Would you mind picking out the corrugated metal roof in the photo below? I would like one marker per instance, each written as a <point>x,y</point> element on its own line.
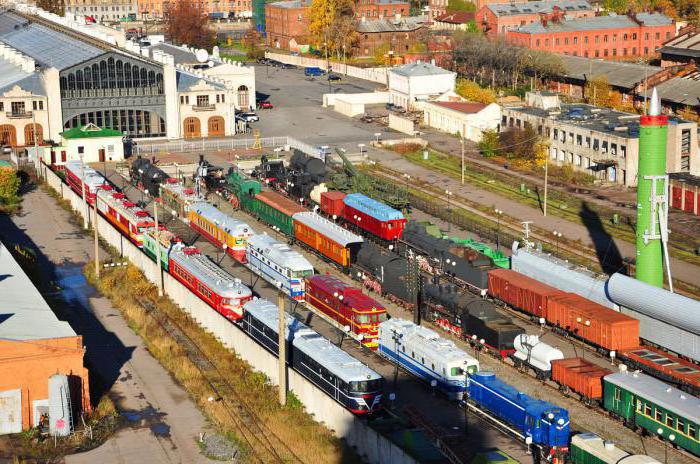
<point>404,24</point>
<point>372,207</point>
<point>528,8</point>
<point>657,392</point>
<point>680,90</point>
<point>24,314</point>
<point>47,46</point>
<point>654,302</point>
<point>419,69</point>
<point>619,74</point>
<point>595,23</point>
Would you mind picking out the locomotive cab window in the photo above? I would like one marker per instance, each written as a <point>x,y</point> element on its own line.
<point>456,371</point>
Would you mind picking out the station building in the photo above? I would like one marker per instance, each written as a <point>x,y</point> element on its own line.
<point>34,346</point>
<point>57,74</point>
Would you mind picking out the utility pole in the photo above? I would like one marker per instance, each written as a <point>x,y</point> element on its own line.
<point>546,173</point>
<point>97,242</point>
<point>157,237</point>
<point>282,348</point>
<point>36,144</point>
<point>461,141</point>
<point>82,189</point>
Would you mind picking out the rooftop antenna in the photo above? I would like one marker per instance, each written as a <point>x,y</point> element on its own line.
<point>526,235</point>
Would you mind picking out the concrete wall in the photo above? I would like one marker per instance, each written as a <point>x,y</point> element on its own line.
<point>369,74</point>
<point>349,108</point>
<point>401,124</point>
<point>374,447</point>
<point>369,98</point>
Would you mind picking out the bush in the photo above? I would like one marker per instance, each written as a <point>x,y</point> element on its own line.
<point>489,144</point>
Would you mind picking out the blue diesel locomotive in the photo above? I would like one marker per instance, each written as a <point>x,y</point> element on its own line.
<point>546,424</point>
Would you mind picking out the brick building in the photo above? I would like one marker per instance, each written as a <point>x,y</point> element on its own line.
<point>437,8</point>
<point>457,21</point>
<point>683,49</point>
<point>480,3</point>
<point>100,10</point>
<point>399,33</point>
<point>376,9</point>
<point>34,345</point>
<point>286,22</point>
<point>607,37</point>
<point>157,9</point>
<point>498,18</point>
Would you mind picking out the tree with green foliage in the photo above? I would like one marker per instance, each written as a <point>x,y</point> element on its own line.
<point>9,187</point>
<point>331,24</point>
<point>474,92</point>
<point>488,146</point>
<point>460,5</point>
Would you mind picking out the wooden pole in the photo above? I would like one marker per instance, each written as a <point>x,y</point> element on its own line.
<point>97,242</point>
<point>546,172</point>
<point>282,348</point>
<point>461,140</point>
<point>86,212</point>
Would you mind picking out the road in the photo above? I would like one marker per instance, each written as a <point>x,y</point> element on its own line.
<point>161,421</point>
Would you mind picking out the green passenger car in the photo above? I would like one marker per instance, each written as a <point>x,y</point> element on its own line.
<point>163,239</point>
<point>650,404</point>
<point>276,210</point>
<point>589,448</point>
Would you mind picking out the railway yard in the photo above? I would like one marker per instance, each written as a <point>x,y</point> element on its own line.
<point>446,417</point>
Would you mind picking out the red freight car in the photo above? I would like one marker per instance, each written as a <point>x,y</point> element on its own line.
<point>347,306</point>
<point>332,204</point>
<point>520,292</point>
<point>666,366</point>
<point>594,323</point>
<point>580,376</point>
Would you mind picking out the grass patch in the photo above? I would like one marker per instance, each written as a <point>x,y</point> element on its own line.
<point>307,439</point>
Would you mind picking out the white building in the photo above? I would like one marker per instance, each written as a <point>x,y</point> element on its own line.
<point>418,82</point>
<point>468,119</point>
<point>102,10</point>
<point>58,74</point>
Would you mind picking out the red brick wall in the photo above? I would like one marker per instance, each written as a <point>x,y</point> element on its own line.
<point>28,365</point>
<point>606,43</point>
<point>372,9</point>
<point>494,25</point>
<point>285,24</point>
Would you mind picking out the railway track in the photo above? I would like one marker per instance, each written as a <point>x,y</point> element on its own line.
<point>265,447</point>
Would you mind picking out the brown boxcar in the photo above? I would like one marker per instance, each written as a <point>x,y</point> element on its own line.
<point>332,203</point>
<point>520,291</point>
<point>594,323</point>
<point>581,376</point>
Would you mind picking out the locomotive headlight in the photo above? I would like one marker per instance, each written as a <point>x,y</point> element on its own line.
<point>550,416</point>
<point>473,337</point>
<point>560,421</point>
<point>359,274</point>
<point>340,297</point>
<point>335,217</point>
<point>335,294</point>
<point>454,263</point>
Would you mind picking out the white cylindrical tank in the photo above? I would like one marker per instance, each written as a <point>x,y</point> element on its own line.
<point>530,350</point>
<point>316,192</point>
<point>60,414</point>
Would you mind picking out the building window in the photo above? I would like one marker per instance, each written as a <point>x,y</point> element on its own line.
<point>578,160</point>
<point>623,151</point>
<point>17,107</point>
<point>624,37</point>
<point>537,42</point>
<point>588,142</point>
<point>575,40</point>
<point>202,100</point>
<point>585,40</point>
<point>2,106</point>
<point>614,52</point>
<point>81,150</point>
<point>646,36</point>
<point>566,41</point>
<point>579,140</point>
<point>556,41</point>
<point>605,38</point>
<point>597,53</point>
<point>597,39</point>
<point>634,36</point>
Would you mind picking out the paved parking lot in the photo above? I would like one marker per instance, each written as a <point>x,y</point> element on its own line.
<point>298,110</point>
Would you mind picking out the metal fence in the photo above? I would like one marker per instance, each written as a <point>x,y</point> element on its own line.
<point>208,145</point>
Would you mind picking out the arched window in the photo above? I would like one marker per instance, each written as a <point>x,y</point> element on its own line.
<point>104,79</point>
<point>29,134</point>
<point>71,81</point>
<point>243,98</point>
<point>143,78</point>
<point>127,75</point>
<point>151,78</point>
<point>87,73</point>
<point>79,80</point>
<point>159,82</point>
<point>111,73</point>
<point>120,74</point>
<point>96,76</point>
<point>64,83</point>
<point>135,74</point>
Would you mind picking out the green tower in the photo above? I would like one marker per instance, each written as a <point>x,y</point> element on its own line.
<point>652,195</point>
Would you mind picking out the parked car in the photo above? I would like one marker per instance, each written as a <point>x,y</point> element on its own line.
<point>313,71</point>
<point>334,77</point>
<point>288,66</point>
<point>265,105</point>
<point>248,117</point>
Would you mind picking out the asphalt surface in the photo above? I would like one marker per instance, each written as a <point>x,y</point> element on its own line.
<point>161,421</point>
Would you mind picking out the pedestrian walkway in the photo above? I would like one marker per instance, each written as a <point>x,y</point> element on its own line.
<point>681,270</point>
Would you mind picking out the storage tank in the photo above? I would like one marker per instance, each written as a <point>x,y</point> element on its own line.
<point>60,414</point>
<point>560,274</point>
<point>536,354</point>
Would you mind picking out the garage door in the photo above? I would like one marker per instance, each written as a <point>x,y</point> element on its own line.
<point>10,412</point>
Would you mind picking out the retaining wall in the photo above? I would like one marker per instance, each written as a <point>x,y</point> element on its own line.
<point>374,447</point>
<point>369,74</point>
<point>401,124</point>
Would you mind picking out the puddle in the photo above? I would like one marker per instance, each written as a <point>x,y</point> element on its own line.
<point>73,286</point>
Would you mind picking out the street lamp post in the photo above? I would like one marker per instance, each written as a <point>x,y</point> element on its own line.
<point>449,211</point>
<point>396,337</point>
<point>499,213</point>
<point>461,142</point>
<point>557,236</point>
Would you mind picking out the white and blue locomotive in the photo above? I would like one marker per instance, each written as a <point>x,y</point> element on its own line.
<point>345,379</point>
<point>425,354</point>
<point>277,263</point>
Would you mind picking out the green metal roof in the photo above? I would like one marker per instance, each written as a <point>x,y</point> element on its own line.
<point>6,164</point>
<point>90,131</point>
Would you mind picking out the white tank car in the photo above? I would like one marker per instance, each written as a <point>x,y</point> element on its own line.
<point>426,355</point>
<point>316,192</point>
<point>530,351</point>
